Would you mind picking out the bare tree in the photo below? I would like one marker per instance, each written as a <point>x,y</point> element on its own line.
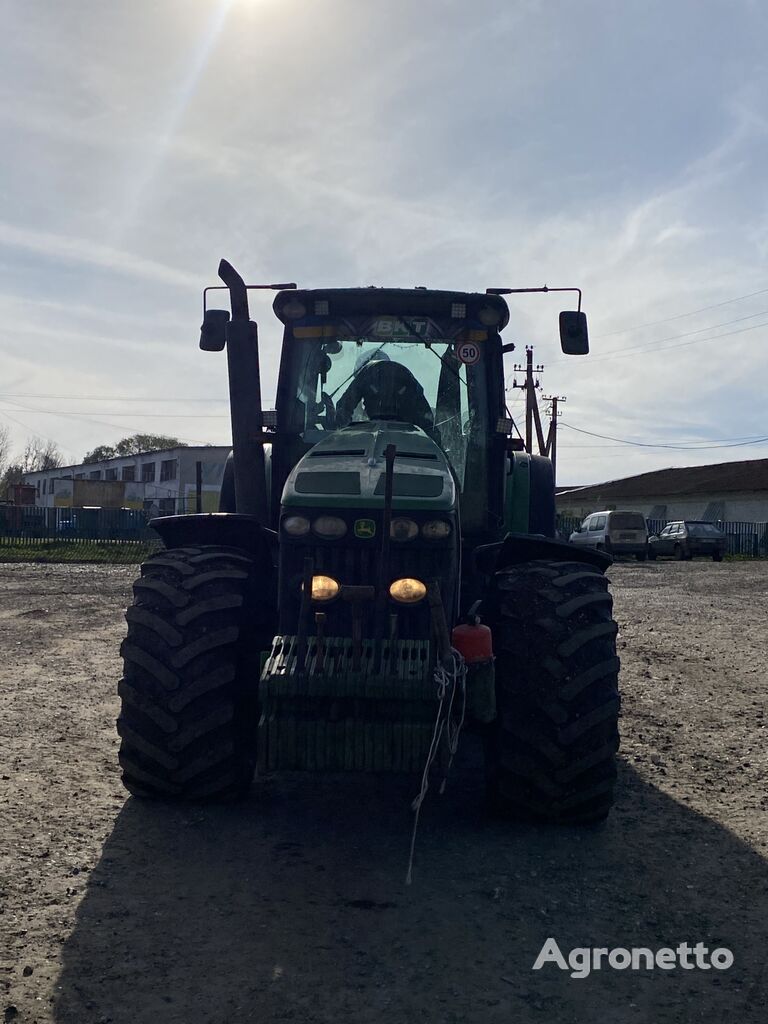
<point>5,449</point>
<point>40,454</point>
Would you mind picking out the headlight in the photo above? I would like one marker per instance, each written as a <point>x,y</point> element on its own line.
<point>407,591</point>
<point>436,529</point>
<point>489,316</point>
<point>329,526</point>
<point>403,529</point>
<point>293,309</point>
<point>324,588</point>
<point>296,526</point>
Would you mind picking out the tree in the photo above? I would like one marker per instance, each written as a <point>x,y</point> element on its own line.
<point>38,454</point>
<point>100,453</point>
<point>5,449</point>
<point>136,444</point>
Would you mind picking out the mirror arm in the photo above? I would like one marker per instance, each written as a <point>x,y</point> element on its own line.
<point>522,291</point>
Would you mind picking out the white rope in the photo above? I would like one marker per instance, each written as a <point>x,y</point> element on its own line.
<point>454,677</point>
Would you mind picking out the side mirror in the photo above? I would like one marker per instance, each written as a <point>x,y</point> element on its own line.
<point>213,333</point>
<point>574,339</point>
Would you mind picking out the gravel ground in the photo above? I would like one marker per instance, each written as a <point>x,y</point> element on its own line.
<point>292,907</point>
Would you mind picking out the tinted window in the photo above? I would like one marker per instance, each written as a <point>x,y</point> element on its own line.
<point>599,523</point>
<point>704,530</point>
<point>627,521</point>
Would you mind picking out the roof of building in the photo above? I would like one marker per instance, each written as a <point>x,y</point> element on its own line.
<point>140,455</point>
<point>720,478</point>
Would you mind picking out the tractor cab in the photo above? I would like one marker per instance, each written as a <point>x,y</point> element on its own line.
<point>368,359</point>
<point>364,372</point>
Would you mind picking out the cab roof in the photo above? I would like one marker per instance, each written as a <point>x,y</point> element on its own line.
<point>390,301</point>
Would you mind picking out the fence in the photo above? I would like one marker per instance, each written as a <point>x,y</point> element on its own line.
<point>20,522</point>
<point>27,526</point>
<point>749,540</point>
<point>28,533</point>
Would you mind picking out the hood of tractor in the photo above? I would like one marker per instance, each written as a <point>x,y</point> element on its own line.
<point>347,470</point>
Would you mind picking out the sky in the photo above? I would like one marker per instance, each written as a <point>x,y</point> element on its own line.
<point>620,148</point>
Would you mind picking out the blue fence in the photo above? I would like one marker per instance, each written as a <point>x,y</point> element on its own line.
<point>28,522</point>
<point>750,540</point>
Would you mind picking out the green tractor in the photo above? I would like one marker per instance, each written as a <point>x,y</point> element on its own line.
<point>383,569</point>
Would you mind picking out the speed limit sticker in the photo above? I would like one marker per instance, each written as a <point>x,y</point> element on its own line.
<point>468,352</point>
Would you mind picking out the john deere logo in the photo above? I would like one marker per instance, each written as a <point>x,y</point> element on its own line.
<point>365,529</point>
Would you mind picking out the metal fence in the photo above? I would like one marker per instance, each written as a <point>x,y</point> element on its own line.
<point>749,540</point>
<point>19,523</point>
<point>28,524</point>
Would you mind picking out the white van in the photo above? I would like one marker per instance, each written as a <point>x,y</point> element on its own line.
<point>617,532</point>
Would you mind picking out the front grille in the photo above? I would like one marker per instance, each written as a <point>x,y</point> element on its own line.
<point>357,563</point>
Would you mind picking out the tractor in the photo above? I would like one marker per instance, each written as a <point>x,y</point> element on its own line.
<point>383,569</point>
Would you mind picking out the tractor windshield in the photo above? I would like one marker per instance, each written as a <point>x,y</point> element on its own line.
<point>398,376</point>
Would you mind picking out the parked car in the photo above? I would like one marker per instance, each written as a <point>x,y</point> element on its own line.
<point>618,532</point>
<point>687,539</point>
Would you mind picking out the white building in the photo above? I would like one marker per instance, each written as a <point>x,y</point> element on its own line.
<point>726,491</point>
<point>162,482</point>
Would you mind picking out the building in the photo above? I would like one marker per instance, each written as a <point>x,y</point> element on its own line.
<point>161,482</point>
<point>726,491</point>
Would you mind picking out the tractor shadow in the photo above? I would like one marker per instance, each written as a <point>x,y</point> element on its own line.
<point>293,906</point>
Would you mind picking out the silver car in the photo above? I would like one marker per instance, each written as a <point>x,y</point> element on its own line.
<point>617,532</point>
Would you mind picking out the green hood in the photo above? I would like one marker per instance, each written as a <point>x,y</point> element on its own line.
<point>347,470</point>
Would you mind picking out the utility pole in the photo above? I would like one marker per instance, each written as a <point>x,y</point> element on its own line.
<point>551,445</point>
<point>532,416</point>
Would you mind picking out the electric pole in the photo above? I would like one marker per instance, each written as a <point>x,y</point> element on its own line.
<point>551,445</point>
<point>532,416</point>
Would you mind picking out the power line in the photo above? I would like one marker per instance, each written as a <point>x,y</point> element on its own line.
<point>678,447</point>
<point>89,419</point>
<point>659,346</point>
<point>697,440</point>
<point>682,316</point>
<point>113,398</point>
<point>152,415</point>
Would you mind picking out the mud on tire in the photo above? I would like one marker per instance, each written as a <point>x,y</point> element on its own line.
<point>200,618</point>
<point>551,753</point>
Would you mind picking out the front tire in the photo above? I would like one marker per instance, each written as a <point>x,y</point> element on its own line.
<point>550,755</point>
<point>201,617</point>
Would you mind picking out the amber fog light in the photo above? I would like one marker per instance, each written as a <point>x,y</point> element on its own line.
<point>407,591</point>
<point>324,588</point>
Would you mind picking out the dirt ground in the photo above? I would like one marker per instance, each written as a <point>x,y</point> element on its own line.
<point>292,906</point>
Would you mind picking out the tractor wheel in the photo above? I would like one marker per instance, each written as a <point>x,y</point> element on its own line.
<point>201,617</point>
<point>550,755</point>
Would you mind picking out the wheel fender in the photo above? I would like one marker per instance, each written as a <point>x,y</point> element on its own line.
<point>228,529</point>
<point>520,547</point>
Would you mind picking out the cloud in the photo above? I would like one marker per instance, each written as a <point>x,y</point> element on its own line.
<point>68,249</point>
<point>451,145</point>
